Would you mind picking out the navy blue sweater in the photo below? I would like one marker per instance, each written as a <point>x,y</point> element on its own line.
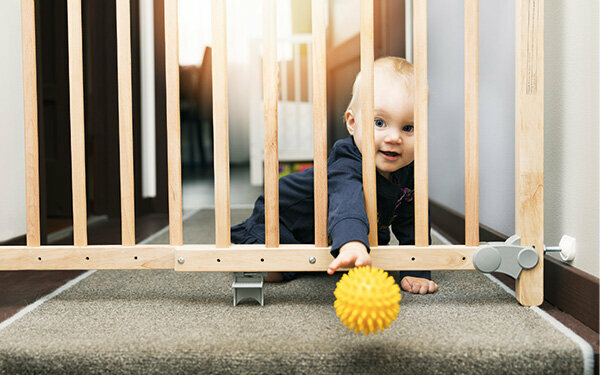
<point>347,218</point>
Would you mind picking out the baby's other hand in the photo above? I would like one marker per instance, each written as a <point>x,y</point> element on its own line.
<point>351,254</point>
<point>418,285</point>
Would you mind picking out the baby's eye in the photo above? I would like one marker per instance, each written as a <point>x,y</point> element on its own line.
<point>408,128</point>
<point>379,123</point>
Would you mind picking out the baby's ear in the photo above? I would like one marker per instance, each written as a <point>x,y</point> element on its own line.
<point>350,121</point>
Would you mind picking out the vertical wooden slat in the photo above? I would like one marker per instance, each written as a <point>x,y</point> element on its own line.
<point>173,128</point>
<point>32,174</point>
<point>472,122</point>
<point>367,56</point>
<point>319,79</point>
<point>529,124</point>
<point>221,124</point>
<point>77,122</point>
<point>421,102</point>
<point>125,122</point>
<point>270,120</point>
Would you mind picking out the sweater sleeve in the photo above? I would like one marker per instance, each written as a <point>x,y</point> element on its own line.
<point>403,227</point>
<point>347,219</point>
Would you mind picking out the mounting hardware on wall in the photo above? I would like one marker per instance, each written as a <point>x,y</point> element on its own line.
<point>567,248</point>
<point>511,258</point>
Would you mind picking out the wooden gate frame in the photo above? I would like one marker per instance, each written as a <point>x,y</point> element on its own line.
<point>223,256</point>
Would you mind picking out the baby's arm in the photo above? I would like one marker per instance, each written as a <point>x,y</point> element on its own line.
<point>351,254</point>
<point>347,219</point>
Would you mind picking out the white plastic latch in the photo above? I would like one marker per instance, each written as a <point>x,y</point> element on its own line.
<point>567,248</point>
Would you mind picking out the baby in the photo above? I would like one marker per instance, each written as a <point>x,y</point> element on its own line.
<point>347,220</point>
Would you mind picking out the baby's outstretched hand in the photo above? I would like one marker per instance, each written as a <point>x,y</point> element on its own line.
<point>418,285</point>
<point>351,254</point>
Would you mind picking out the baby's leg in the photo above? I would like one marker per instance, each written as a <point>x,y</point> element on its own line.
<point>274,277</point>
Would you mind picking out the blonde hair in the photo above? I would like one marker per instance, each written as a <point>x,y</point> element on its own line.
<point>402,69</point>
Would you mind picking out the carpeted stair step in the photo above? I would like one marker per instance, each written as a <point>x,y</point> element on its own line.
<point>147,322</point>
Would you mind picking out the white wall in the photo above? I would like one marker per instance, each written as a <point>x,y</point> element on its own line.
<point>571,124</point>
<point>12,141</point>
<point>571,203</point>
<point>496,109</point>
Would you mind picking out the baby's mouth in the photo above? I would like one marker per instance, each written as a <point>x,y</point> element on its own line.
<point>390,155</point>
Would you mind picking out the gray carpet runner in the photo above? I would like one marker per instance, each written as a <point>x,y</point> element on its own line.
<point>161,322</point>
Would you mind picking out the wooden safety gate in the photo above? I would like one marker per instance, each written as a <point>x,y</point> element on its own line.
<point>223,256</point>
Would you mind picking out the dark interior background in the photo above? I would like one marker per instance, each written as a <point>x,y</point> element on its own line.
<point>101,106</point>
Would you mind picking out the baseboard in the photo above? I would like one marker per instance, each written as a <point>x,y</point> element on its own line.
<point>52,237</point>
<point>566,287</point>
<point>451,224</point>
<point>15,241</point>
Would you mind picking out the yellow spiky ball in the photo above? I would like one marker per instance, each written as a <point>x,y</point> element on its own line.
<point>367,300</point>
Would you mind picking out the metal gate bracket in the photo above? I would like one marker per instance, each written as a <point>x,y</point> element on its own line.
<point>248,285</point>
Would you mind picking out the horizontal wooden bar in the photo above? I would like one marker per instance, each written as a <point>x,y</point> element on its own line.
<point>104,257</point>
<point>235,258</point>
<point>297,258</point>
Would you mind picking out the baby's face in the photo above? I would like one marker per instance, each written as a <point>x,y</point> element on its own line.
<point>393,122</point>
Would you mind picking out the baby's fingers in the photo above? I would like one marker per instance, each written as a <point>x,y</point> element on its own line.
<point>418,285</point>
<point>338,262</point>
<point>333,266</point>
<point>428,287</point>
<point>362,260</point>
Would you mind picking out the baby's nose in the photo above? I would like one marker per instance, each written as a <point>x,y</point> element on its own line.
<point>393,136</point>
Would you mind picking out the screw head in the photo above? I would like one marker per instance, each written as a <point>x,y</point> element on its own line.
<point>181,260</point>
<point>312,260</point>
